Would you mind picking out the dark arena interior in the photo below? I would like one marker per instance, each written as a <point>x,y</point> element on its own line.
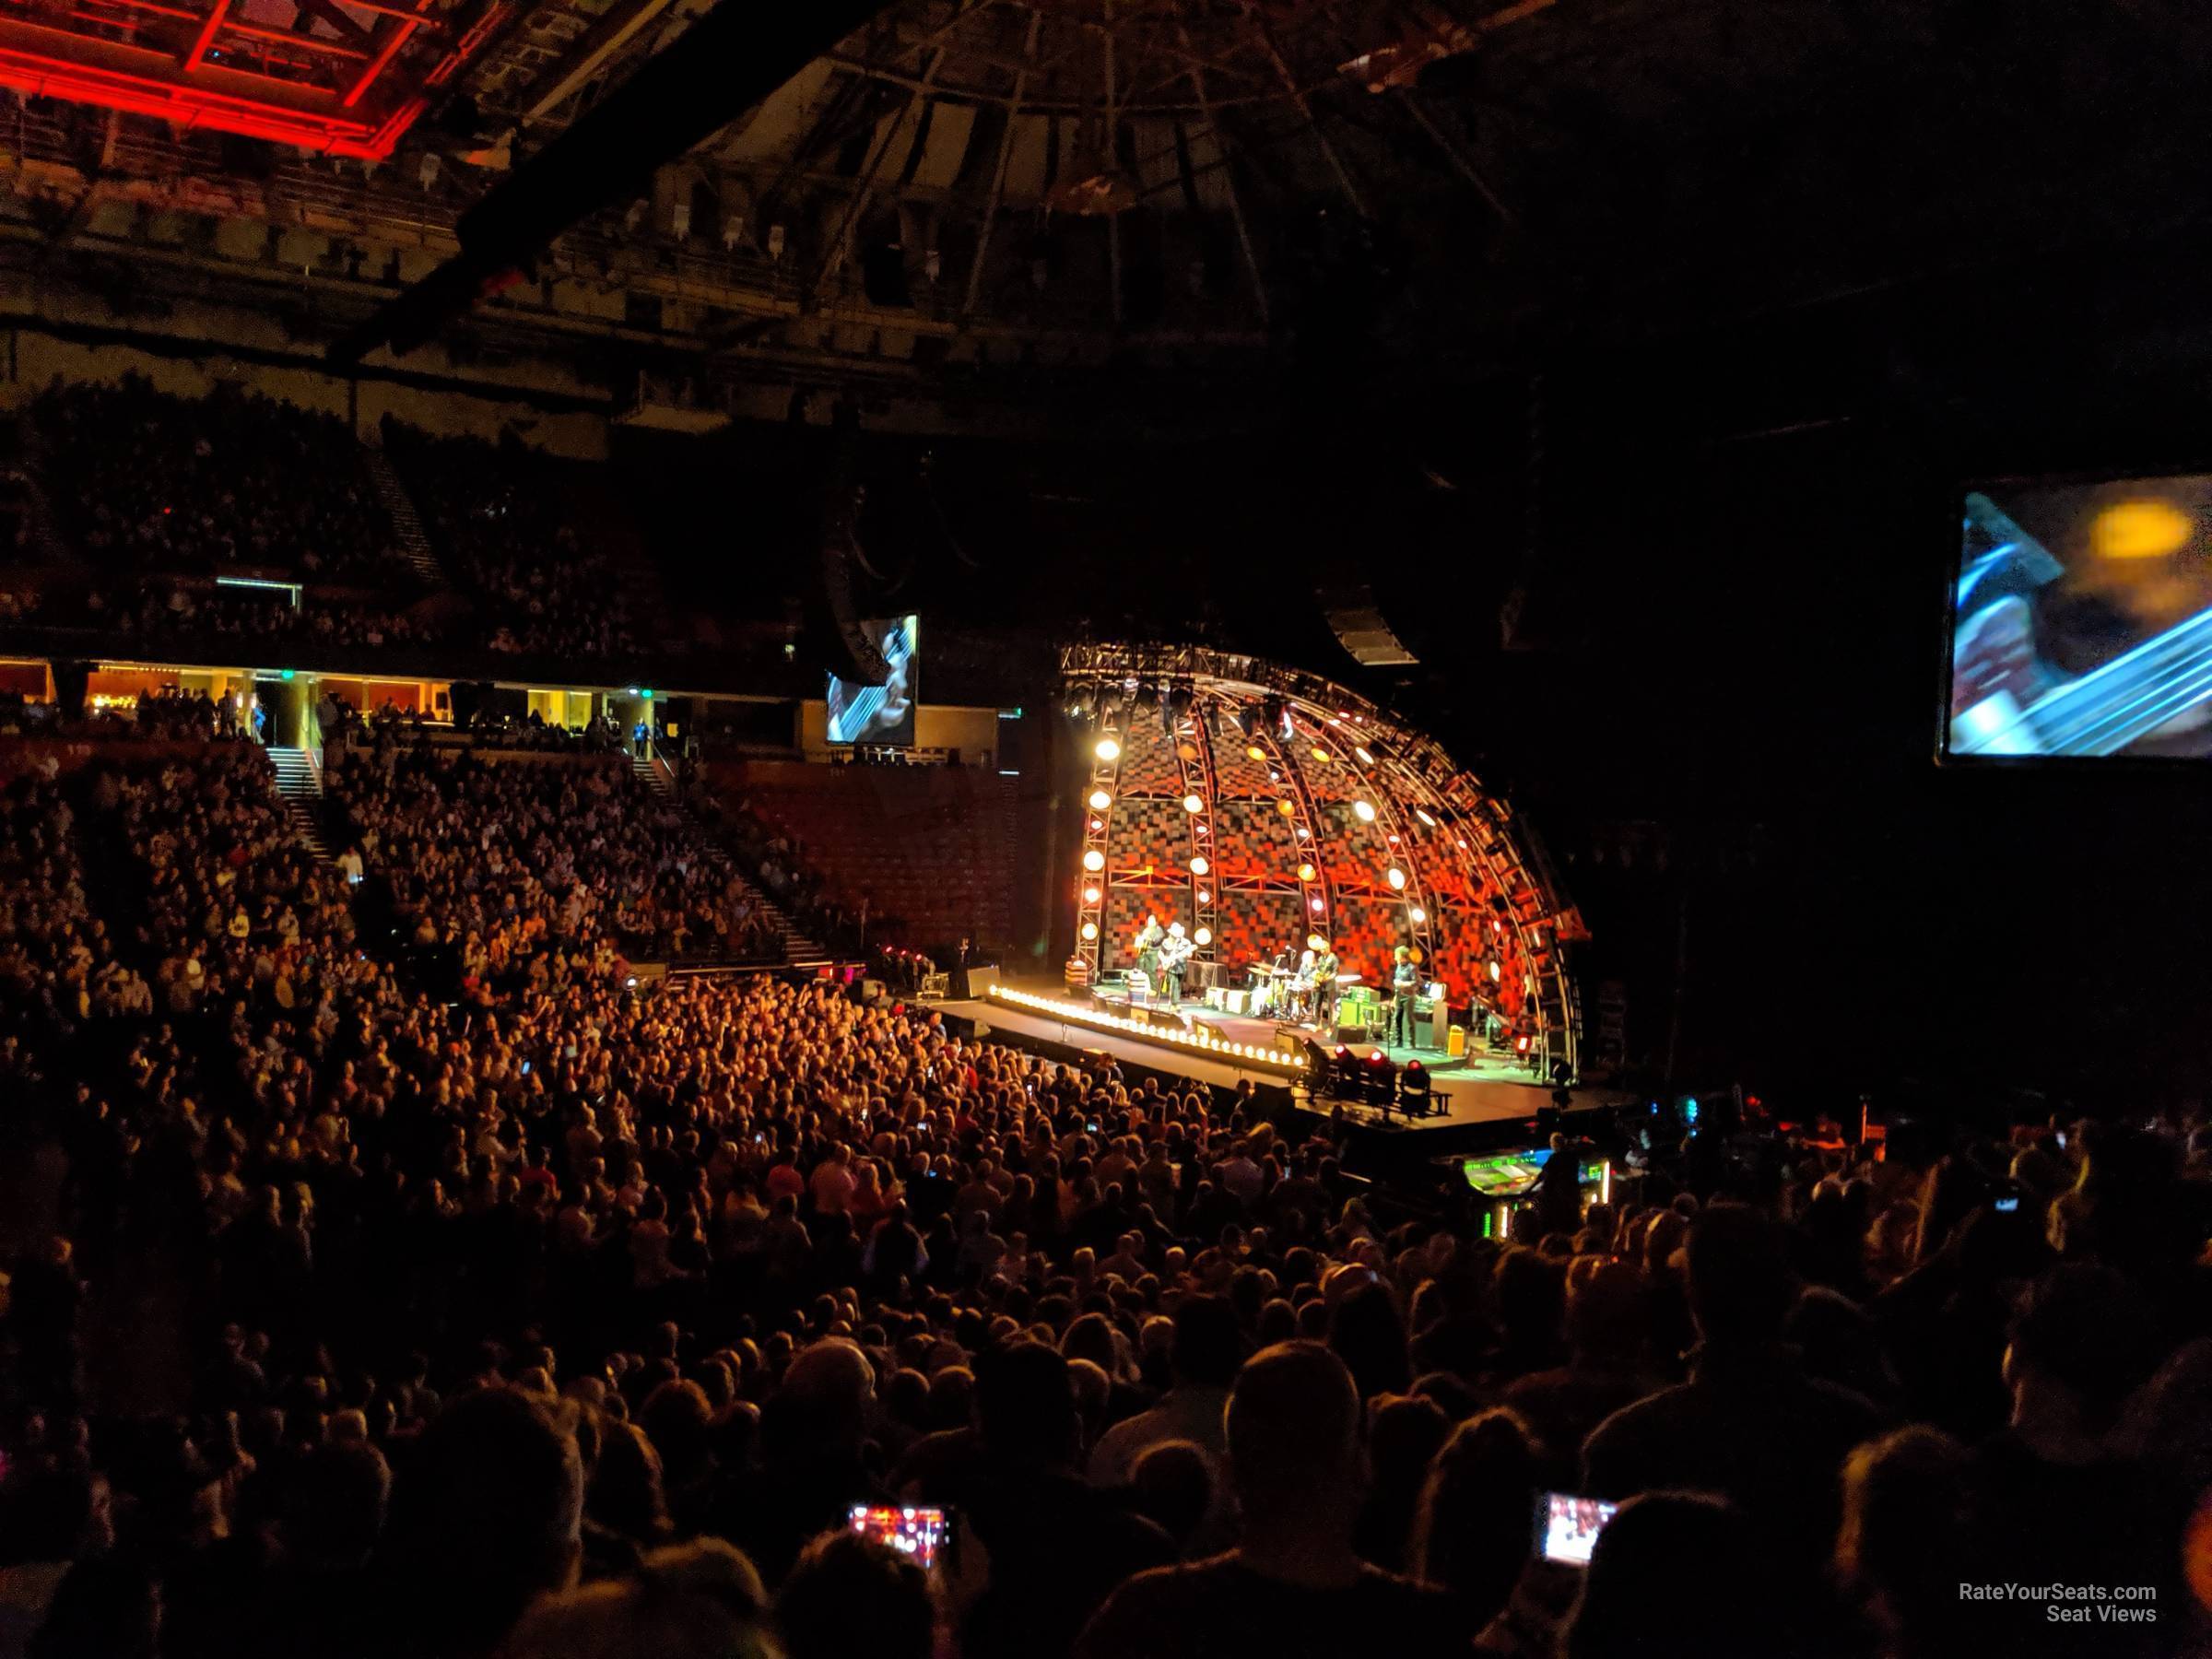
<point>1105,829</point>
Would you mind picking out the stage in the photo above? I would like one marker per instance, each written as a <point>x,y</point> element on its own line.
<point>1475,1092</point>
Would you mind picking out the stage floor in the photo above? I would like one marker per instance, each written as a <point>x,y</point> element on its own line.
<point>1476,1090</point>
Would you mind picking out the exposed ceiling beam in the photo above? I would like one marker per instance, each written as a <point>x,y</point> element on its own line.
<point>614,30</point>
<point>724,64</point>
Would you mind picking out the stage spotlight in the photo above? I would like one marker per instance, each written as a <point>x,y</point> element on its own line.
<point>1496,971</point>
<point>1305,872</point>
<point>1424,818</point>
<point>1190,803</point>
<point>1302,833</point>
<point>1255,752</point>
<point>1314,904</point>
<point>1204,935</point>
<point>1363,755</point>
<point>1198,866</point>
<point>1395,876</point>
<point>1364,811</point>
<point>1378,1079</point>
<point>1094,860</point>
<point>1108,750</point>
<point>1287,807</point>
<point>1090,895</point>
<point>1099,800</point>
<point>1320,755</point>
<point>1205,897</point>
<point>1091,930</point>
<point>1417,914</point>
<point>1413,1089</point>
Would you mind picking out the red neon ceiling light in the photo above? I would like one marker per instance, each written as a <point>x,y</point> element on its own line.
<point>179,82</point>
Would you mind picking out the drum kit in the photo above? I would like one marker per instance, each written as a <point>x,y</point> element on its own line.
<point>1287,993</point>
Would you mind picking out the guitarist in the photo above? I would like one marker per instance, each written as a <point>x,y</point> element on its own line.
<point>1325,969</point>
<point>1174,951</point>
<point>1147,950</point>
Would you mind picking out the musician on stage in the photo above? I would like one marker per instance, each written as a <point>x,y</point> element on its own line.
<point>1301,987</point>
<point>1404,985</point>
<point>1147,950</point>
<point>1174,951</point>
<point>1325,968</point>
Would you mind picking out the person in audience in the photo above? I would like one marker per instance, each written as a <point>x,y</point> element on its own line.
<point>1294,1585</point>
<point>1749,1424</point>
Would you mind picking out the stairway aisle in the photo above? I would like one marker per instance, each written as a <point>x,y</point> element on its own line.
<point>299,782</point>
<point>799,951</point>
<point>407,523</point>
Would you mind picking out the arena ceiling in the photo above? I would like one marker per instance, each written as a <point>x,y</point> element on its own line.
<point>962,190</point>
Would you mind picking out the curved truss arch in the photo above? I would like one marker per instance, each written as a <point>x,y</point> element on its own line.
<point>1475,894</point>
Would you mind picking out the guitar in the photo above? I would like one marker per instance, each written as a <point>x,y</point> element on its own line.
<point>1174,953</point>
<point>2003,703</point>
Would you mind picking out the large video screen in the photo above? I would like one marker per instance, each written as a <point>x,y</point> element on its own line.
<point>2081,621</point>
<point>882,714</point>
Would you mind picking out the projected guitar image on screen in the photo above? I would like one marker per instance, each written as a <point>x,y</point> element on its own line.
<point>2082,622</point>
<point>885,714</point>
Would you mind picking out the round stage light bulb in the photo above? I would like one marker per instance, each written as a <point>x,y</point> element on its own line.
<point>1090,895</point>
<point>1364,811</point>
<point>1305,872</point>
<point>1418,914</point>
<point>1303,832</point>
<point>1198,866</point>
<point>1320,753</point>
<point>1099,800</point>
<point>1287,807</point>
<point>1496,972</point>
<point>1395,876</point>
<point>1363,755</point>
<point>1252,751</point>
<point>1316,905</point>
<point>1425,818</point>
<point>1205,898</point>
<point>1108,750</point>
<point>1094,860</point>
<point>1204,935</point>
<point>1190,803</point>
<point>1091,930</point>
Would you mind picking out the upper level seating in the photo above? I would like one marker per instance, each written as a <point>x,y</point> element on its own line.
<point>930,848</point>
<point>504,521</point>
<point>146,481</point>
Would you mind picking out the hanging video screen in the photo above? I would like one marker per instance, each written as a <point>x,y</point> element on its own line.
<point>2081,621</point>
<point>885,714</point>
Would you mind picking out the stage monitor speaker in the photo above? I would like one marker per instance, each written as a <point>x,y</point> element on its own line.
<point>981,979</point>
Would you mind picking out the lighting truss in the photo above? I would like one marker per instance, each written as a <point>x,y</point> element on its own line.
<point>1518,905</point>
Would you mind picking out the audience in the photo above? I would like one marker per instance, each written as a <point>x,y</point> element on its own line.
<point>146,481</point>
<point>405,1279</point>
